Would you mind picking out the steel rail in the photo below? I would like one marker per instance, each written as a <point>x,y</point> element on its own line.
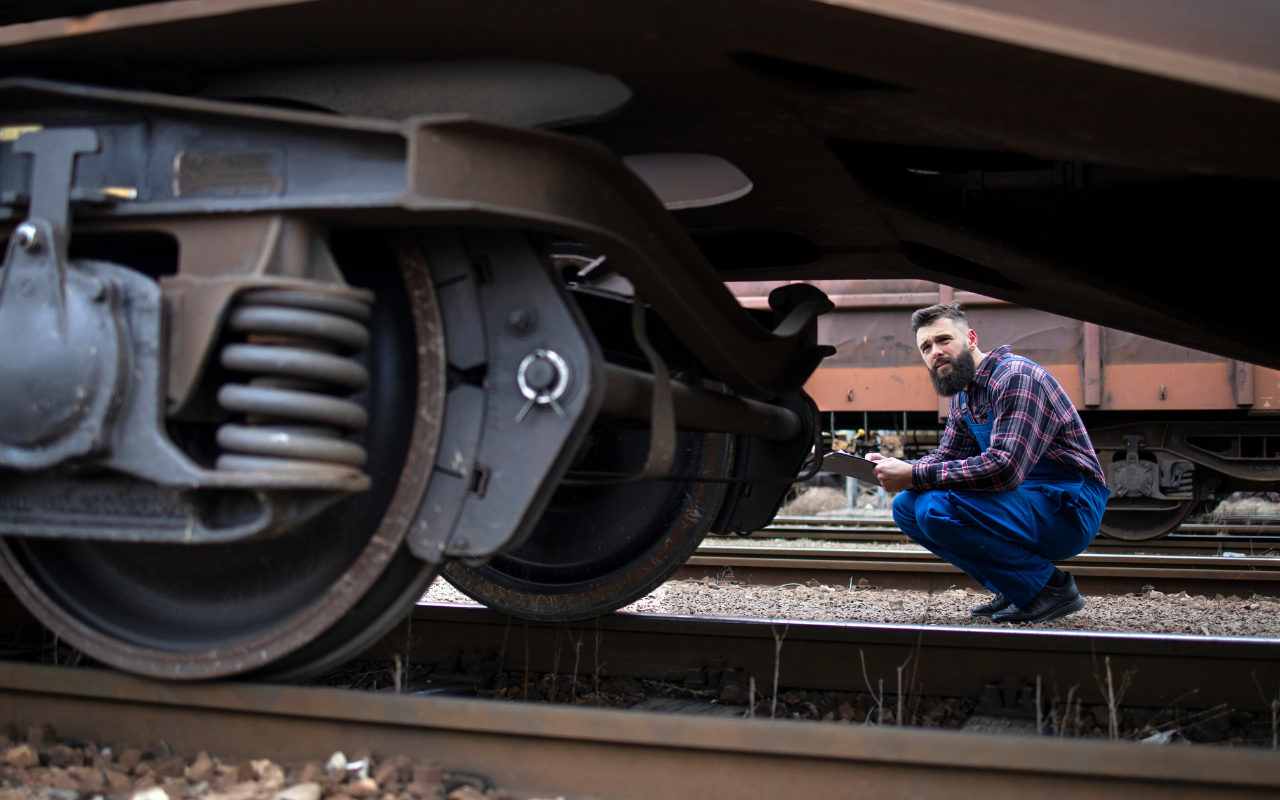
<point>1262,525</point>
<point>1095,573</point>
<point>1191,671</point>
<point>576,751</point>
<point>1176,543</point>
<point>1203,538</point>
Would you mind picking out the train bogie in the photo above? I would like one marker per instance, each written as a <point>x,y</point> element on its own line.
<point>349,373</point>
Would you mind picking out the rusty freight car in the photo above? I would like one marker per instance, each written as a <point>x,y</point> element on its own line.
<point>305,303</point>
<point>1174,427</point>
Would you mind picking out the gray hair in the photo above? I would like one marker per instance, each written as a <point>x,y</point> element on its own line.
<point>925,317</point>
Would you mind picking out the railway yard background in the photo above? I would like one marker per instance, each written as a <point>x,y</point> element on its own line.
<point>397,399</point>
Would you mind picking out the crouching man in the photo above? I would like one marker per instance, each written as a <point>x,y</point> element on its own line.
<point>1014,484</point>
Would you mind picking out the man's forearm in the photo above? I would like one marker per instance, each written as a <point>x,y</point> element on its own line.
<point>987,472</point>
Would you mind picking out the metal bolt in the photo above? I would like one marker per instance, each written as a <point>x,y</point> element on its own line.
<point>27,237</point>
<point>543,377</point>
<point>540,374</point>
<point>520,320</point>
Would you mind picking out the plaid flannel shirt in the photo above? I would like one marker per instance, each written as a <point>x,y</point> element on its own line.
<point>1034,419</point>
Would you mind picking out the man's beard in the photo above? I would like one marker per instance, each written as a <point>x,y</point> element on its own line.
<point>955,381</point>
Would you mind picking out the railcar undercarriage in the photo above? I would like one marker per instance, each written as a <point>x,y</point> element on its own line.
<point>295,322</point>
<point>257,457</point>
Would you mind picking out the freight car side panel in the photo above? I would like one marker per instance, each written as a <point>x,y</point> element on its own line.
<point>876,366</point>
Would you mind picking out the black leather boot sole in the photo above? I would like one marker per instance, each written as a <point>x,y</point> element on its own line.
<point>1050,604</point>
<point>997,603</point>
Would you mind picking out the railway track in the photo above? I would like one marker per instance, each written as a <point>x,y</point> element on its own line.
<point>542,750</point>
<point>1095,573</point>
<point>1238,525</point>
<point>1185,544</point>
<point>1189,539</point>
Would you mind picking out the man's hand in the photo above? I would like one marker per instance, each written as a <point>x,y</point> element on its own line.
<point>894,475</point>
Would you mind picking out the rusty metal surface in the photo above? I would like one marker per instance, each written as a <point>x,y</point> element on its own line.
<point>616,754</point>
<point>827,655</point>
<point>141,14</point>
<point>1166,42</point>
<point>1095,573</point>
<point>1224,50</point>
<point>1156,387</point>
<point>876,367</point>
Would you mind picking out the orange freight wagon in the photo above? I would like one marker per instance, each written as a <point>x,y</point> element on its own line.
<point>1174,427</point>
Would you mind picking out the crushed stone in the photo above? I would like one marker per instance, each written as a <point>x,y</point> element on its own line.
<point>1151,613</point>
<point>44,767</point>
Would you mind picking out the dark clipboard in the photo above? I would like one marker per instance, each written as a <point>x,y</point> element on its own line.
<point>851,466</point>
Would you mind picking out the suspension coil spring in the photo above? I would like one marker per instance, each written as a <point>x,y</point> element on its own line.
<point>299,347</point>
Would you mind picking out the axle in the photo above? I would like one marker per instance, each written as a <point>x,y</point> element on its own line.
<point>629,395</point>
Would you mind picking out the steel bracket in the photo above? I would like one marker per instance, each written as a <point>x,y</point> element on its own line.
<point>501,456</point>
<point>1134,477</point>
<point>63,354</point>
<point>444,170</point>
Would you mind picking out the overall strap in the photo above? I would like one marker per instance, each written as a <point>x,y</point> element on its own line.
<point>1009,358</point>
<point>964,400</point>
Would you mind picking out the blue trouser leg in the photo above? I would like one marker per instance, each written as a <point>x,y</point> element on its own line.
<point>904,514</point>
<point>1004,540</point>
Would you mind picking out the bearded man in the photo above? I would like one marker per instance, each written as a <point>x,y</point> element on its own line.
<point>1014,484</point>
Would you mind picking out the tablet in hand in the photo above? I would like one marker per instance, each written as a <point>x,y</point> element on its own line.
<point>851,466</point>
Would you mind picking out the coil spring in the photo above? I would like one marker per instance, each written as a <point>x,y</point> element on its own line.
<point>299,346</point>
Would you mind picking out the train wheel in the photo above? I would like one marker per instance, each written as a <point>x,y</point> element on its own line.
<point>598,548</point>
<point>301,601</point>
<point>1139,519</point>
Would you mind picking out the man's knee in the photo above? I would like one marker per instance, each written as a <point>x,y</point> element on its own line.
<point>910,510</point>
<point>935,513</point>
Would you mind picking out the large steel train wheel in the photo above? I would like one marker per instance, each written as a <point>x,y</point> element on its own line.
<point>598,548</point>
<point>1140,519</point>
<point>285,606</point>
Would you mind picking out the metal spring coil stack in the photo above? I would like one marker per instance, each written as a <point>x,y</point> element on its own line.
<point>299,346</point>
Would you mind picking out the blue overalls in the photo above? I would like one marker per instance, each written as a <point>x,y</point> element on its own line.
<point>1007,540</point>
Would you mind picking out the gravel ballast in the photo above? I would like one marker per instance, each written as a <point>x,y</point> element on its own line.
<point>44,767</point>
<point>1151,613</point>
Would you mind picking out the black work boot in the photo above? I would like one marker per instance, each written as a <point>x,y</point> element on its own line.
<point>1053,602</point>
<point>997,603</point>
